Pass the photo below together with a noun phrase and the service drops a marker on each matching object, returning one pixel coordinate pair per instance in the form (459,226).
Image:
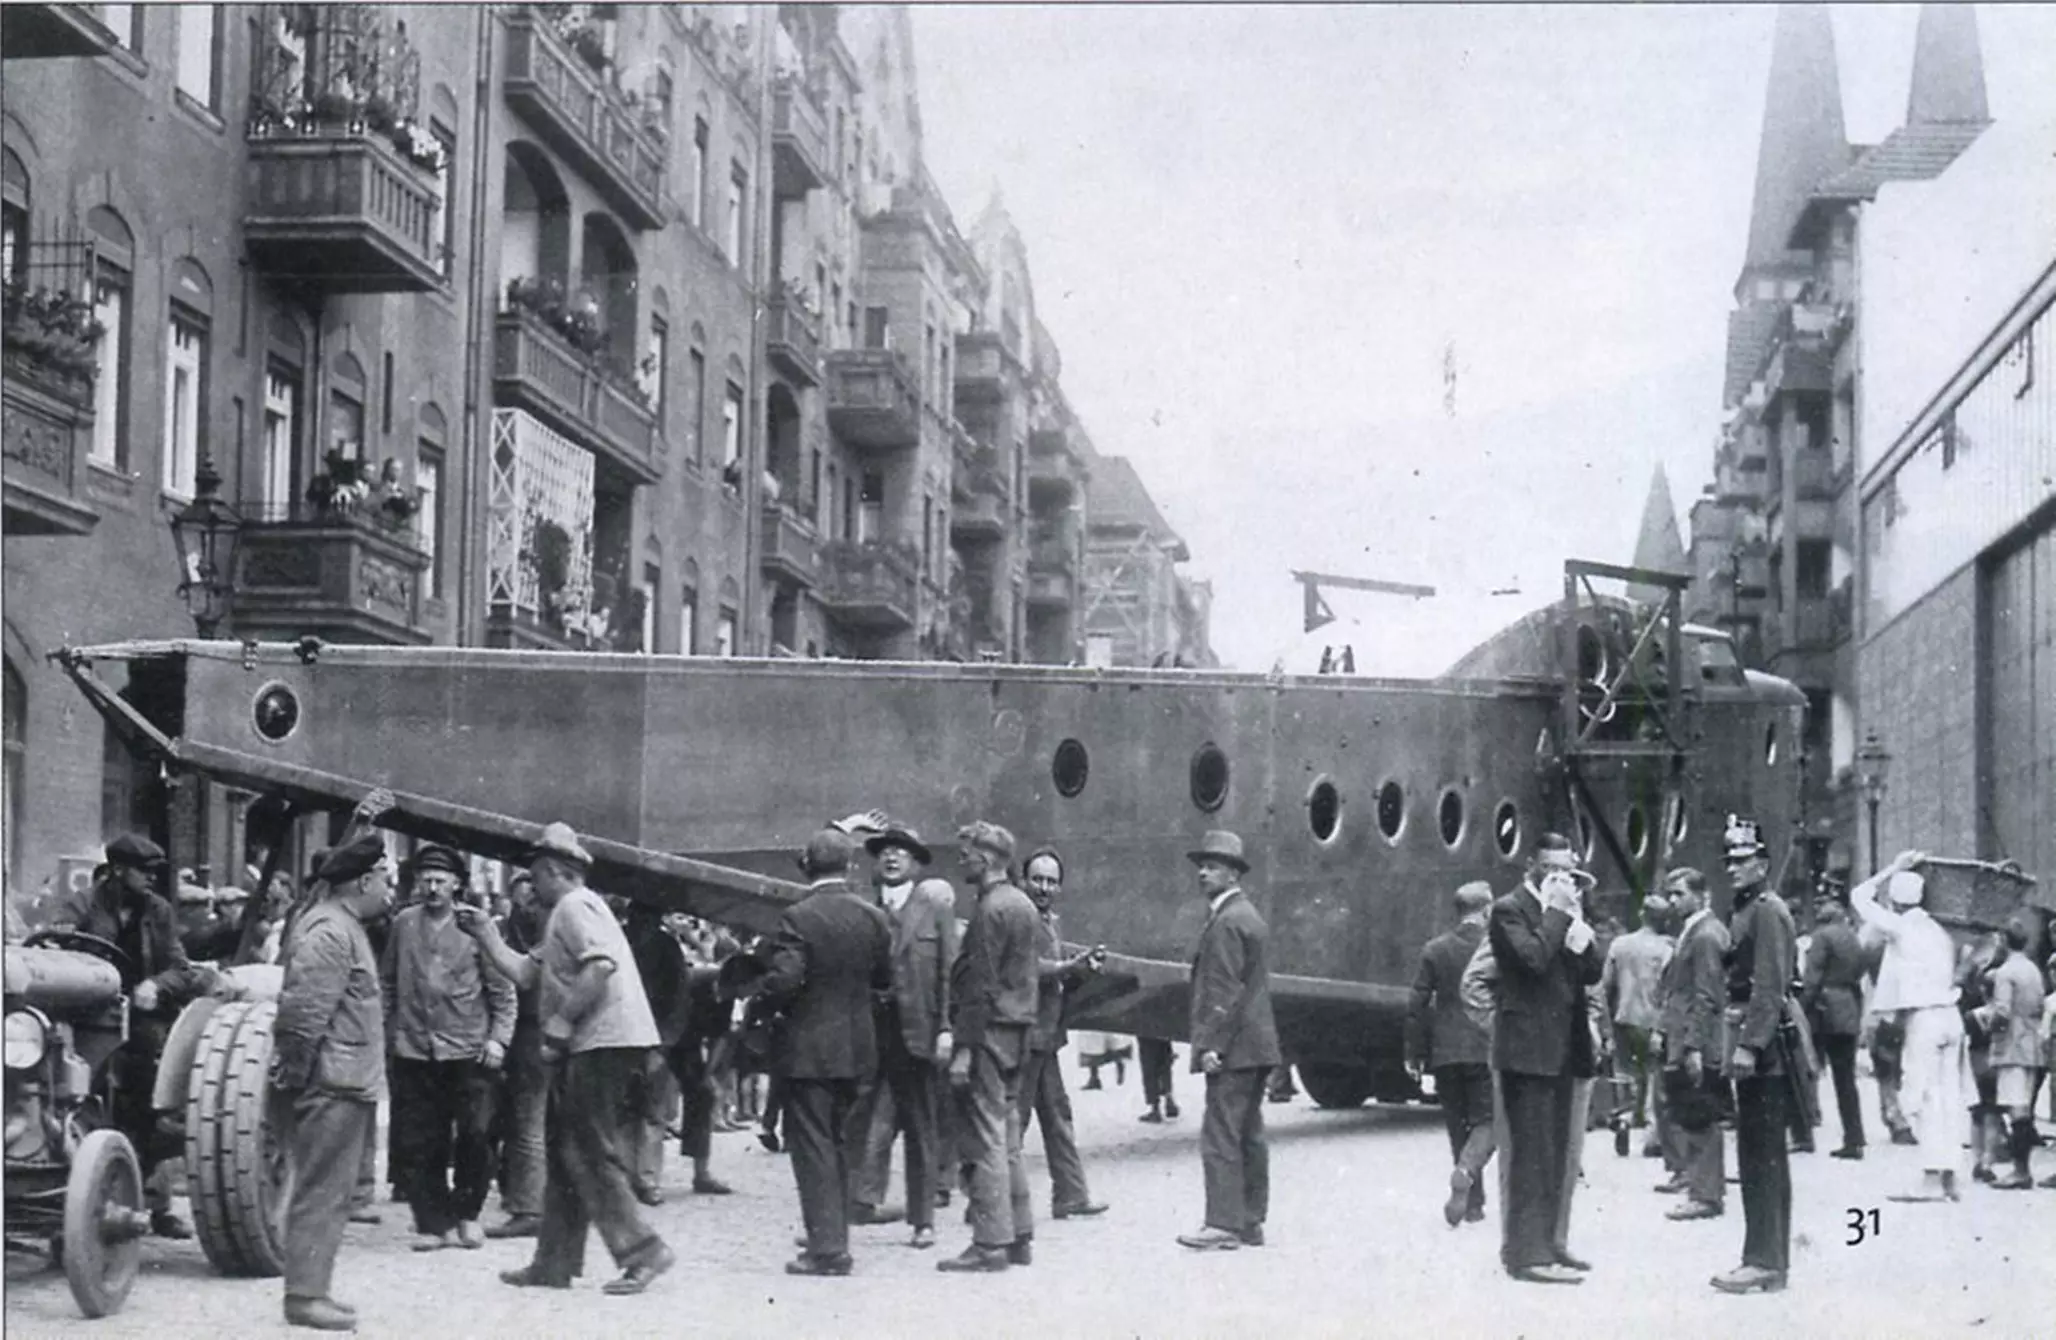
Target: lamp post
(206,531)
(1873,764)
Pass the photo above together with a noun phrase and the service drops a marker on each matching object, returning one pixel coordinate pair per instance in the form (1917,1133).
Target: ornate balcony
(1054,472)
(343,576)
(45,434)
(34,32)
(583,119)
(981,367)
(869,586)
(1051,575)
(536,371)
(791,339)
(789,551)
(873,401)
(342,213)
(799,142)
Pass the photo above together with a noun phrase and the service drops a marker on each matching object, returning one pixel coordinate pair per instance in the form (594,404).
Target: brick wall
(1917,688)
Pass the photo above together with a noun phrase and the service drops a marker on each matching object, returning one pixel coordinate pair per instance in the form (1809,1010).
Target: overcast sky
(1254,232)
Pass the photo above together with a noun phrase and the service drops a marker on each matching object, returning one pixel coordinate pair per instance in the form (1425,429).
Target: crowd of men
(559,1030)
(1706,1026)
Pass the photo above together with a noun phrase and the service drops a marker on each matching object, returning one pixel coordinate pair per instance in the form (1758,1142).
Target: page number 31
(1863,1225)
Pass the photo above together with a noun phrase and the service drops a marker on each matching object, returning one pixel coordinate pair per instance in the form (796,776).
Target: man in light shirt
(1917,977)
(1629,982)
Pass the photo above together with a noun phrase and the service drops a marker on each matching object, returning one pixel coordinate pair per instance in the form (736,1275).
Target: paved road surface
(1357,1248)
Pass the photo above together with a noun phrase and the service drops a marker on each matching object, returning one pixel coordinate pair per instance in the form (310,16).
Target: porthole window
(1391,810)
(1638,832)
(275,712)
(1324,810)
(1209,777)
(1449,817)
(1770,745)
(1506,828)
(1068,768)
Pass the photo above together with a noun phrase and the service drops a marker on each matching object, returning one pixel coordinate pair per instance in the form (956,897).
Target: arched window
(344,431)
(443,121)
(431,451)
(535,232)
(14,216)
(608,277)
(114,267)
(689,608)
(186,367)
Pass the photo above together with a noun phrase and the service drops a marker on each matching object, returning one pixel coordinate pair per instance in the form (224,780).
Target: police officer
(1762,963)
(125,908)
(328,1070)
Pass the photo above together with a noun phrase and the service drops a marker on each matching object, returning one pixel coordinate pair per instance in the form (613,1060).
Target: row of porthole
(1070,767)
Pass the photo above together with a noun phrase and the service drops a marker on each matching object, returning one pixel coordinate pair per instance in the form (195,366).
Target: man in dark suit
(1833,995)
(914,1038)
(1441,1036)
(1693,999)
(1541,1044)
(1761,966)
(831,953)
(1234,1044)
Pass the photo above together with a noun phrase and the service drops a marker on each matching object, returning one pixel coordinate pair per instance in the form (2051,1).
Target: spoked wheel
(104,1223)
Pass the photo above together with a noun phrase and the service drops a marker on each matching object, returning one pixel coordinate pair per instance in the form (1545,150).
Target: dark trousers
(1044,1099)
(1841,1058)
(818,1125)
(325,1144)
(1233,1152)
(1761,1120)
(1636,1065)
(1533,1158)
(1154,1056)
(135,1068)
(1695,1112)
(989,1141)
(590,1133)
(442,1118)
(904,1098)
(1465,1093)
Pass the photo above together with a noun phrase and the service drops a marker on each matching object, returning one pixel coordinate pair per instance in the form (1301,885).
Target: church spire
(1948,68)
(1657,545)
(1803,138)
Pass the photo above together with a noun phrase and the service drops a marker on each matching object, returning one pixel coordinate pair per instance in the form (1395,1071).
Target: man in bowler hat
(1234,1044)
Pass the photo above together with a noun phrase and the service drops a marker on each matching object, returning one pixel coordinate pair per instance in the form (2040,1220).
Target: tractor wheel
(1395,1086)
(1336,1086)
(229,1166)
(104,1222)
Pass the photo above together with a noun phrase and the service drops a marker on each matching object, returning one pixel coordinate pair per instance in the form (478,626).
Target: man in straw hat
(832,952)
(597,1032)
(1234,1044)
(1541,1044)
(1762,966)
(328,1070)
(1917,977)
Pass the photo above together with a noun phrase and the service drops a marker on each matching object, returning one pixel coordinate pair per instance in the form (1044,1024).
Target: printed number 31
(1863,1224)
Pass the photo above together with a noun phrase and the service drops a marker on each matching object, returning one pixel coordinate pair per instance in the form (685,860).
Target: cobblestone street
(1357,1247)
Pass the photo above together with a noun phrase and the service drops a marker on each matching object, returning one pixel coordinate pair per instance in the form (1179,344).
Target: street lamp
(205,531)
(1873,764)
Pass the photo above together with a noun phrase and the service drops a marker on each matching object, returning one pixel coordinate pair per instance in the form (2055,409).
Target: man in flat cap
(1541,1045)
(1234,1044)
(1762,965)
(597,1033)
(451,1019)
(832,952)
(993,996)
(328,1070)
(1917,978)
(1443,1038)
(125,907)
(913,1034)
